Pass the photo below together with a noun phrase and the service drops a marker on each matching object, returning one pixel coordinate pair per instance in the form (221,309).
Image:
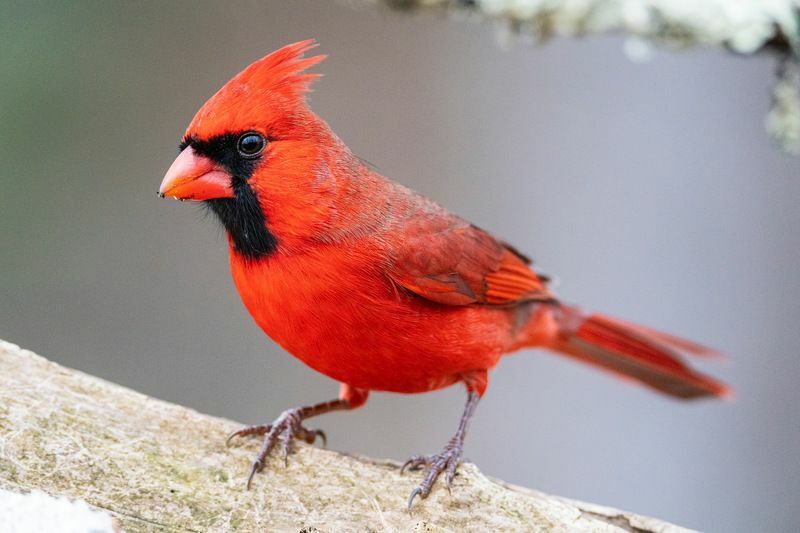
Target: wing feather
(447,260)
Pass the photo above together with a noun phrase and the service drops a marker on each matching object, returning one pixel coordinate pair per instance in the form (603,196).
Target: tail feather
(643,354)
(677,343)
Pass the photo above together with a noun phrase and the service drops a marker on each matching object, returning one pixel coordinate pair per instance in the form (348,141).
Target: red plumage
(371,283)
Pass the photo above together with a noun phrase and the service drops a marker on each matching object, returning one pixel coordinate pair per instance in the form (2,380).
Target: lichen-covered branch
(156,466)
(742,26)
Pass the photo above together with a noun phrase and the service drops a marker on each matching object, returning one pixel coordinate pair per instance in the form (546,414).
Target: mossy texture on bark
(157,466)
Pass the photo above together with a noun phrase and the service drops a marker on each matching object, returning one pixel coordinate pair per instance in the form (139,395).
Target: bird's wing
(449,261)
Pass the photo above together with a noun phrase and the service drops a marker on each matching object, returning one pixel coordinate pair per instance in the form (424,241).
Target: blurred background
(650,190)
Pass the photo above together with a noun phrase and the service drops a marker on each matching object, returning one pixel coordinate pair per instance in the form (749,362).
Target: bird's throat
(245,222)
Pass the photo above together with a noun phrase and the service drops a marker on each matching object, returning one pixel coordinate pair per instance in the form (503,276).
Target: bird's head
(258,156)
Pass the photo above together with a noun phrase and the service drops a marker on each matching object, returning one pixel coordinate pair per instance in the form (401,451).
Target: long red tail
(646,355)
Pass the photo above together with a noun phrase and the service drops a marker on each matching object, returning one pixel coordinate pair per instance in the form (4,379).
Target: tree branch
(159,466)
(744,26)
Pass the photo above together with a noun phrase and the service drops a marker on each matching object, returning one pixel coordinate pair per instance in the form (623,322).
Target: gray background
(650,190)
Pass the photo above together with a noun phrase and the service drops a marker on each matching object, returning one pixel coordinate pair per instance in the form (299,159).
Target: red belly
(353,325)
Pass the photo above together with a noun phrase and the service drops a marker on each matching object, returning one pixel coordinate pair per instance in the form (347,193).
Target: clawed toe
(285,430)
(257,466)
(446,462)
(415,463)
(247,431)
(450,474)
(309,436)
(414,494)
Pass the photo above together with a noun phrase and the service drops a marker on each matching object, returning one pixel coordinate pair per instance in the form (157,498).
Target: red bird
(371,283)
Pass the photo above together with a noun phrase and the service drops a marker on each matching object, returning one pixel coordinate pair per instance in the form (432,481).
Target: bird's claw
(247,431)
(257,466)
(446,462)
(414,494)
(287,427)
(415,462)
(309,436)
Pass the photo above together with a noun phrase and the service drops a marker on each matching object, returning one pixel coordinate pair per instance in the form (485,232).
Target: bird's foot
(447,461)
(287,427)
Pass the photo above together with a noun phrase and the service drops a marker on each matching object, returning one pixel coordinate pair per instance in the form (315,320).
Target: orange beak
(195,177)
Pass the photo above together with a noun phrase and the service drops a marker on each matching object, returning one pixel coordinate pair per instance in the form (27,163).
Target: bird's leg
(289,426)
(448,460)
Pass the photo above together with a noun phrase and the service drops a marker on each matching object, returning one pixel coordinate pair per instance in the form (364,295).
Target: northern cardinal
(371,283)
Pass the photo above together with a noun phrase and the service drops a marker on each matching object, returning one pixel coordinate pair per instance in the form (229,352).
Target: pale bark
(157,466)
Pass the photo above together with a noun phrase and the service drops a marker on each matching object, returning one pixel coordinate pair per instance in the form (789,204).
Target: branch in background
(744,27)
(157,466)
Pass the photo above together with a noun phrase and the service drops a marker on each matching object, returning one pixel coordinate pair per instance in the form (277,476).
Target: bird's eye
(250,145)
